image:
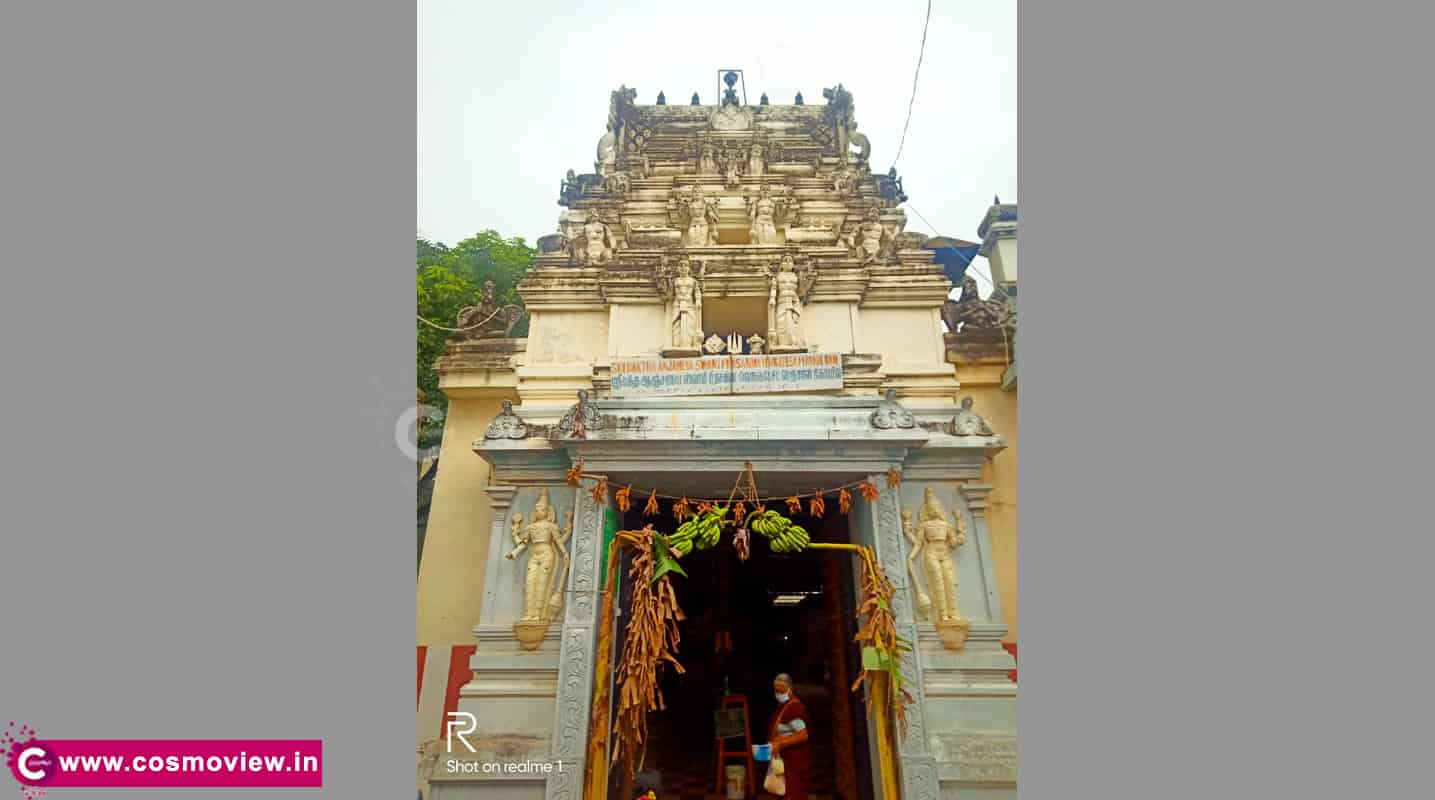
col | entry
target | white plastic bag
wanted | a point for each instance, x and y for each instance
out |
(774, 783)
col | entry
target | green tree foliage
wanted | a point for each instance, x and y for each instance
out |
(451, 279)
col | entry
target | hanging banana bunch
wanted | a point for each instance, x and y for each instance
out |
(782, 534)
(700, 532)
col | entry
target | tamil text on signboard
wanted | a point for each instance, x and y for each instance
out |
(797, 372)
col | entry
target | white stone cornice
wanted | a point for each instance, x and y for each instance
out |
(562, 288)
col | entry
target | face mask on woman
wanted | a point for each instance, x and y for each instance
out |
(782, 698)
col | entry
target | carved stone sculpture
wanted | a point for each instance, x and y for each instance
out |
(838, 116)
(595, 246)
(755, 344)
(707, 162)
(933, 539)
(971, 313)
(714, 345)
(732, 167)
(891, 414)
(617, 183)
(553, 243)
(754, 160)
(784, 302)
(844, 181)
(686, 294)
(607, 152)
(702, 218)
(487, 319)
(966, 422)
(544, 541)
(580, 418)
(890, 187)
(507, 425)
(864, 147)
(651, 235)
(576, 187)
(871, 239)
(763, 211)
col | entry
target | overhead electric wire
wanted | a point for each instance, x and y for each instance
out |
(920, 52)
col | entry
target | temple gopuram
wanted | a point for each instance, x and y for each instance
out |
(730, 318)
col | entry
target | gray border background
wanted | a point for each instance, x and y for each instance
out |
(204, 314)
(208, 524)
(1221, 377)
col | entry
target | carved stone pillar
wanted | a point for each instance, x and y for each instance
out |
(575, 658)
(918, 767)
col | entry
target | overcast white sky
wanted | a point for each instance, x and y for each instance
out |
(513, 94)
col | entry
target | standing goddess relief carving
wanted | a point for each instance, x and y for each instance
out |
(544, 541)
(785, 306)
(702, 219)
(755, 164)
(763, 213)
(686, 294)
(935, 539)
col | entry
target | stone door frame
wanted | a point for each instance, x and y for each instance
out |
(875, 524)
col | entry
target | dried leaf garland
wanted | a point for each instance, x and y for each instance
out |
(651, 509)
(704, 507)
(879, 631)
(844, 501)
(894, 478)
(794, 506)
(817, 507)
(624, 498)
(682, 510)
(600, 491)
(869, 492)
(575, 473)
(651, 640)
(739, 511)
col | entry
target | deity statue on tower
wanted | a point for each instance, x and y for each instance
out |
(755, 164)
(784, 302)
(686, 293)
(870, 239)
(707, 162)
(596, 243)
(702, 219)
(763, 211)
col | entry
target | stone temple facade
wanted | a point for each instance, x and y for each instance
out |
(731, 284)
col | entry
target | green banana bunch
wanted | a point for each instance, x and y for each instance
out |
(783, 536)
(699, 532)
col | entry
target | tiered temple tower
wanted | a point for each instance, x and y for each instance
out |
(731, 284)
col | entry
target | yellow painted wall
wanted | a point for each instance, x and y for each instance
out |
(982, 382)
(456, 543)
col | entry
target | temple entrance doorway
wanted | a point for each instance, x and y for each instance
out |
(747, 621)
